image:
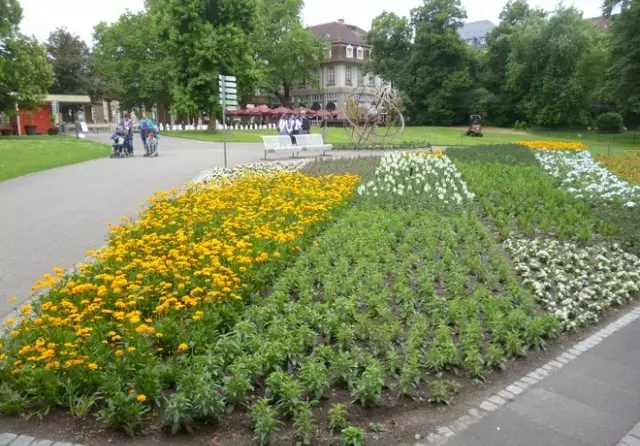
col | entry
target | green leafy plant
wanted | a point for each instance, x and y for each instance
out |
(123, 411)
(304, 423)
(338, 417)
(315, 378)
(368, 388)
(265, 422)
(352, 436)
(375, 427)
(609, 122)
(442, 391)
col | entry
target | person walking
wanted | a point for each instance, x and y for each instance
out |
(282, 125)
(127, 126)
(145, 125)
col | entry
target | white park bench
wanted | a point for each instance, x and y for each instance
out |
(275, 144)
(311, 143)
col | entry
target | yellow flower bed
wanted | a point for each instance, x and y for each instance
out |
(552, 145)
(626, 167)
(165, 279)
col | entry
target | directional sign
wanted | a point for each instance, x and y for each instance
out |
(224, 78)
(226, 89)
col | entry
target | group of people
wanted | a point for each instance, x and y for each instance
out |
(294, 125)
(123, 136)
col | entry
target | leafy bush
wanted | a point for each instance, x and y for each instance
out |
(338, 418)
(265, 422)
(352, 436)
(521, 125)
(610, 122)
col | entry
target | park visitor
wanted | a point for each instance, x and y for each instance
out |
(127, 126)
(282, 125)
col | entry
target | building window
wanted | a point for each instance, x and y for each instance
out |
(316, 76)
(331, 96)
(360, 53)
(360, 76)
(349, 52)
(330, 52)
(348, 76)
(372, 80)
(317, 98)
(331, 76)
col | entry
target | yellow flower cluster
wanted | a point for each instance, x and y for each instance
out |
(552, 145)
(188, 253)
(626, 167)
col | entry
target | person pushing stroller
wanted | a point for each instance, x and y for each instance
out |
(119, 147)
(149, 134)
(151, 143)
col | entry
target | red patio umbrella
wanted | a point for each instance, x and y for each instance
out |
(325, 113)
(262, 110)
(282, 111)
(304, 111)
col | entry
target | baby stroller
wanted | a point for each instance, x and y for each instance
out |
(151, 143)
(118, 149)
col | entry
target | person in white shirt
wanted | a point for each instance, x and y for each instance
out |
(282, 125)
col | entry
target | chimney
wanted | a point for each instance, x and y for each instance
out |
(341, 21)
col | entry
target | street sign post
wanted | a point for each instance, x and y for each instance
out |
(228, 100)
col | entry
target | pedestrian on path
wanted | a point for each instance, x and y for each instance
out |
(146, 124)
(127, 126)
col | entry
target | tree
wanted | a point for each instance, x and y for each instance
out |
(130, 63)
(25, 74)
(426, 58)
(502, 102)
(286, 52)
(69, 56)
(623, 75)
(546, 68)
(202, 39)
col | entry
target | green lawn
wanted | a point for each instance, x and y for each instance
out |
(21, 155)
(451, 136)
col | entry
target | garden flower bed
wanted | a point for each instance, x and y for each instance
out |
(581, 175)
(553, 145)
(626, 167)
(576, 283)
(167, 285)
(266, 290)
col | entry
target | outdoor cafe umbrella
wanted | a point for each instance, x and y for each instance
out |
(304, 111)
(261, 110)
(282, 111)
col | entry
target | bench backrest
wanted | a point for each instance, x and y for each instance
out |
(303, 140)
(315, 139)
(276, 142)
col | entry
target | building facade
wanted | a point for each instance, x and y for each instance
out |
(342, 74)
(475, 33)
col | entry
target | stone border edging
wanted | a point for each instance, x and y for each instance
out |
(25, 440)
(442, 434)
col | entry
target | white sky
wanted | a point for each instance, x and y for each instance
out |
(79, 16)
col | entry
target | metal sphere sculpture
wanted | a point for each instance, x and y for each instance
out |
(373, 114)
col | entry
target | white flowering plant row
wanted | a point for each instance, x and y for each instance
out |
(581, 175)
(233, 172)
(431, 176)
(577, 284)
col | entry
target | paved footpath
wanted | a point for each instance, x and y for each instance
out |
(52, 218)
(593, 399)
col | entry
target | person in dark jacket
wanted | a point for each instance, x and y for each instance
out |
(127, 125)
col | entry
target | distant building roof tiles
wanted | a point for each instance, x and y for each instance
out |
(339, 31)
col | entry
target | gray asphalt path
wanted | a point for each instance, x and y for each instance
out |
(52, 218)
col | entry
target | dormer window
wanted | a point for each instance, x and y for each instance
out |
(349, 52)
(360, 53)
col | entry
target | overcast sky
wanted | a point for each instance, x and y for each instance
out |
(79, 16)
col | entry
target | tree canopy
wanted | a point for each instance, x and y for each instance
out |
(69, 56)
(129, 62)
(286, 52)
(25, 74)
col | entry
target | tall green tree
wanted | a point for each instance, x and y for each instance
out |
(286, 52)
(502, 103)
(202, 39)
(623, 75)
(129, 62)
(25, 74)
(69, 56)
(546, 68)
(426, 58)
